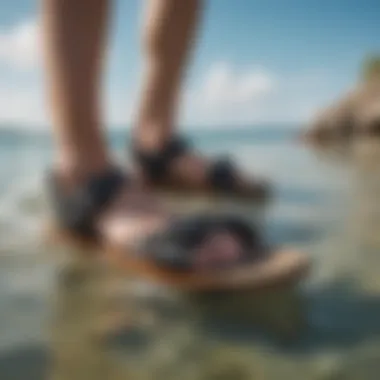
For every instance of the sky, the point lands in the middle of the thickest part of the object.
(255, 61)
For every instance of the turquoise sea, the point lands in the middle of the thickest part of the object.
(325, 203)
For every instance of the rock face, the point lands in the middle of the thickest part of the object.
(358, 112)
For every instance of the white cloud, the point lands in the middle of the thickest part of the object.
(224, 86)
(20, 45)
(227, 96)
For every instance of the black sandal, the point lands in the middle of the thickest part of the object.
(222, 175)
(169, 256)
(76, 213)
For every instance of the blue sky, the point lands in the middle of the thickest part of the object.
(266, 61)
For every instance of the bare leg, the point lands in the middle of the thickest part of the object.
(74, 37)
(170, 27)
(168, 34)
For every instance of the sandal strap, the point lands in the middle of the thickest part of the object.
(222, 175)
(156, 165)
(78, 210)
(174, 247)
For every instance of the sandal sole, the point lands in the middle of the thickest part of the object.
(282, 267)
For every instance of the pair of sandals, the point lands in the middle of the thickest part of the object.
(172, 255)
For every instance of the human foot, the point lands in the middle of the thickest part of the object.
(198, 252)
(176, 167)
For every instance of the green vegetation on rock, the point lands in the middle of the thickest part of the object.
(371, 67)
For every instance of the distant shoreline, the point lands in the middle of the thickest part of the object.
(23, 130)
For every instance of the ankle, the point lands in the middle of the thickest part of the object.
(151, 136)
(77, 169)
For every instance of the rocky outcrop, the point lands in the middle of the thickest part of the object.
(358, 112)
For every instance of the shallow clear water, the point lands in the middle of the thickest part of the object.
(329, 328)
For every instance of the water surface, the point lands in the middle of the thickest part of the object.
(60, 317)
